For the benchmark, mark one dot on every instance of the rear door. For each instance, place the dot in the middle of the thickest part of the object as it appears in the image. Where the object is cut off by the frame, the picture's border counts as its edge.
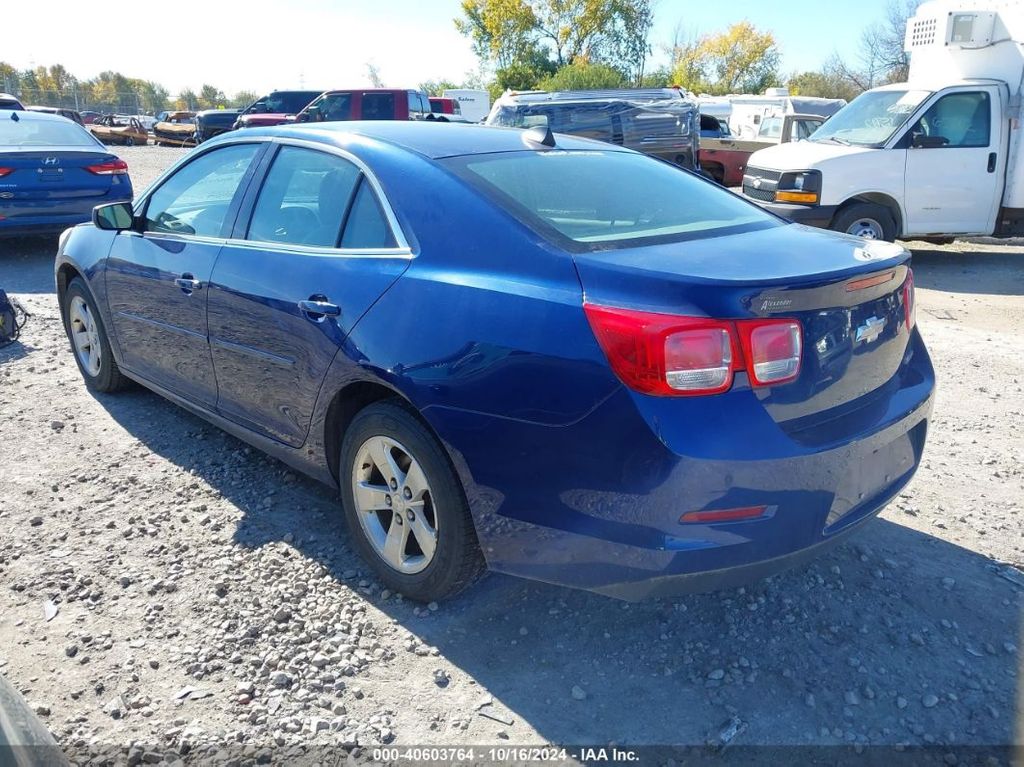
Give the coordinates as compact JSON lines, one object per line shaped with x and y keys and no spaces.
{"x":955,"y":186}
{"x":157,"y":277}
{"x":316,"y":251}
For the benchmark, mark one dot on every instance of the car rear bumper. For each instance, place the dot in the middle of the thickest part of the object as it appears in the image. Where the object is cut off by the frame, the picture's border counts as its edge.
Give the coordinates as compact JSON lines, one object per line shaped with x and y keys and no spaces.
{"x":51,"y":216}
{"x":597,"y":504}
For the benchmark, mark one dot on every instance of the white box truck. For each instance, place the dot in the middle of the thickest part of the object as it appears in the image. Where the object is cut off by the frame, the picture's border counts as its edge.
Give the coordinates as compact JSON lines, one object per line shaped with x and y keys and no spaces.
{"x":936,"y":157}
{"x":475,"y":104}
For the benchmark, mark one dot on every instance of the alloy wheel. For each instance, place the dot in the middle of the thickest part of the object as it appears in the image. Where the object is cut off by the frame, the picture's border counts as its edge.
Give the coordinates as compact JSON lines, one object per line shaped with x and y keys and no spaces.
{"x":394,"y":505}
{"x":85,"y":335}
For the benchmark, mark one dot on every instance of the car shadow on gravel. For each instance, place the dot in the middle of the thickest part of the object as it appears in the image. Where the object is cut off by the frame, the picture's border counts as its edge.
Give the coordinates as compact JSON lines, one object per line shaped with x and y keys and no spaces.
{"x":26,"y":264}
{"x":895,"y":637}
{"x":980,"y":271}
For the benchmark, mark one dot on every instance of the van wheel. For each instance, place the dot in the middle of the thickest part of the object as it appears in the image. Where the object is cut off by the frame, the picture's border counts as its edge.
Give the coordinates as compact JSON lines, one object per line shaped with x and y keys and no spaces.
{"x":867,"y":220}
{"x":404,"y":506}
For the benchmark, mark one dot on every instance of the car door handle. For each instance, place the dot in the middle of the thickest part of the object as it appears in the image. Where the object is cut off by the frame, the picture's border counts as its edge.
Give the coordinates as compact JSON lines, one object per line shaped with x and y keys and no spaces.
{"x":188,"y":283}
{"x":991,"y":162}
{"x":317,"y":309}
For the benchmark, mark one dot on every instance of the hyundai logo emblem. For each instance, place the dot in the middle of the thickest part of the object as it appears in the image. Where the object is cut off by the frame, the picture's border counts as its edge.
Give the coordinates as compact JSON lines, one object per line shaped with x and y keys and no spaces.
{"x":51,"y":162}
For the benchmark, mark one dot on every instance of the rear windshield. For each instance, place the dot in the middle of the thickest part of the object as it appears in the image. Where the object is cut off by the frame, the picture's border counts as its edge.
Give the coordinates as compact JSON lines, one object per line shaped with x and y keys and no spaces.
{"x":592,"y":200}
{"x":27,"y":132}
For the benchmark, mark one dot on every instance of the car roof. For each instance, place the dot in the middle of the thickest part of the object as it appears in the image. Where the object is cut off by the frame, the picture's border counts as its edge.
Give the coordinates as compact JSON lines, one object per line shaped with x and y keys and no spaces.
{"x":31,"y":116}
{"x":433,"y":139}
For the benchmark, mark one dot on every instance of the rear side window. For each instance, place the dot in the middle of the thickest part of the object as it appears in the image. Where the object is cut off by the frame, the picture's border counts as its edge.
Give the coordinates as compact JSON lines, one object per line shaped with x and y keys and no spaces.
{"x":378,"y":106}
{"x":195,"y":200}
{"x":304,"y":198}
{"x":366,"y":226}
{"x":588,"y":200}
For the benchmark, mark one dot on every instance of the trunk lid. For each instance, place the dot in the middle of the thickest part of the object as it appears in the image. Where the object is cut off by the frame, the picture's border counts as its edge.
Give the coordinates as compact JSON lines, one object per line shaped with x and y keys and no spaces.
{"x":846,"y":293}
{"x":52,"y":174}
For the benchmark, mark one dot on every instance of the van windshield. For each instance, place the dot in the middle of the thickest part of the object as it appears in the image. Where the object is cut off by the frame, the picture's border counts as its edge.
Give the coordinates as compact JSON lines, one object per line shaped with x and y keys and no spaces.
{"x":871,"y":119}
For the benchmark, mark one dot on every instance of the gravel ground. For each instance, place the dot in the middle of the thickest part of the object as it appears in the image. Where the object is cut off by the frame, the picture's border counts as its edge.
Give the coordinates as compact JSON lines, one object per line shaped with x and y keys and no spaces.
{"x":207,"y":603}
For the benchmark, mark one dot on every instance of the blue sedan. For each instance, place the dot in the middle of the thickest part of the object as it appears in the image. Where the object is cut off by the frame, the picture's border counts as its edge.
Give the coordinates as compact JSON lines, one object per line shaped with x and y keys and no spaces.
{"x":536,"y":354}
{"x":53,"y":172}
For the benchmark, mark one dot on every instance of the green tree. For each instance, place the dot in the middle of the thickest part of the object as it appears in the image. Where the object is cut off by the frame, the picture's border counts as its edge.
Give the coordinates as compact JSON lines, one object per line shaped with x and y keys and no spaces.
{"x":502,"y":31}
{"x":522,"y":75}
{"x":581,"y":76}
{"x":824,"y":84}
{"x":740,"y":60}
{"x":187,"y":100}
{"x":242,"y":99}
{"x":211,"y":98}
{"x":512,"y":35}
{"x":437,"y":87}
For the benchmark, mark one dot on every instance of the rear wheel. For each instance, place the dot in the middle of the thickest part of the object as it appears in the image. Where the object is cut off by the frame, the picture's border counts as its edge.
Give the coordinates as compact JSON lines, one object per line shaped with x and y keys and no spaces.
{"x":404,"y":505}
{"x":867,"y":220}
{"x":89,"y":340}
{"x":129,"y":141}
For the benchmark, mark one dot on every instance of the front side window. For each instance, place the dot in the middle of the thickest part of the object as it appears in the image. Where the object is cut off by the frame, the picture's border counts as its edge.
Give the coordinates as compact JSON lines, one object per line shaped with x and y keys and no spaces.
{"x":333,"y":107}
{"x":589,"y":200}
{"x":304,"y":198}
{"x":378,"y":106}
{"x":195,"y":200}
{"x":804,"y":128}
{"x":957,"y":120}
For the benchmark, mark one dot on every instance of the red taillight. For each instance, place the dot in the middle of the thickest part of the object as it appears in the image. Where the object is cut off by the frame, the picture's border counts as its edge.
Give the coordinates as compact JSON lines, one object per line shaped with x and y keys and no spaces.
{"x":111,"y":168}
{"x":5,"y":171}
{"x":725,"y":515}
{"x":909,"y":307}
{"x":665,"y":354}
{"x":772,"y":349}
{"x":669,"y":355}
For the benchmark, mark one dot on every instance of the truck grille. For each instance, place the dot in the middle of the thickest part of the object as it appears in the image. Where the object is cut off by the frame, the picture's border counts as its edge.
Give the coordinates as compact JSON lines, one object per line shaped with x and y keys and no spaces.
{"x":760,"y":184}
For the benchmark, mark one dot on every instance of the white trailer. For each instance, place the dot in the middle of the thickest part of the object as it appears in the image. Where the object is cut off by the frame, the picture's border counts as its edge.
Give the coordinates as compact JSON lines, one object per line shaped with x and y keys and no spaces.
{"x":935,"y":157}
{"x":748,"y":111}
{"x":475,"y":105}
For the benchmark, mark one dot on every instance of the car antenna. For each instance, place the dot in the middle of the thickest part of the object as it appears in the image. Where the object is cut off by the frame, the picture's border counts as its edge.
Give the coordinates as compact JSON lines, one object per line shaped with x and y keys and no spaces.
{"x":540,"y":134}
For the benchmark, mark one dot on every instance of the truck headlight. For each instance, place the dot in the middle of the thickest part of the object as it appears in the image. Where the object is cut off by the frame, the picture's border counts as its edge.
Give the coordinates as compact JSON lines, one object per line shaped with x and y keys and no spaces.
{"x":802,"y":187}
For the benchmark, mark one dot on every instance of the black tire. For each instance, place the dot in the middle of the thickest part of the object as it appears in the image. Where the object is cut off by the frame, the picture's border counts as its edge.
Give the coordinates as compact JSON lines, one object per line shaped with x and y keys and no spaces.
{"x":129,"y":141}
{"x":110,"y":378}
{"x":848,"y":219}
{"x":457,"y":561}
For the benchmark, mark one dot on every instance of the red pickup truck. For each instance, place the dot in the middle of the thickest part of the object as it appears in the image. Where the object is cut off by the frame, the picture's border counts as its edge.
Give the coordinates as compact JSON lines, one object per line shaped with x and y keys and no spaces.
{"x":367,"y":104}
{"x":275,"y":108}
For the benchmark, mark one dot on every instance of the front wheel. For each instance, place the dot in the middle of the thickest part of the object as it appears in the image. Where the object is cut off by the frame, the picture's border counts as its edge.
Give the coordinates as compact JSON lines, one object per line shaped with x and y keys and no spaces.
{"x":404,"y":505}
{"x":89,"y":340}
{"x":867,"y":220}
{"x":129,"y":141}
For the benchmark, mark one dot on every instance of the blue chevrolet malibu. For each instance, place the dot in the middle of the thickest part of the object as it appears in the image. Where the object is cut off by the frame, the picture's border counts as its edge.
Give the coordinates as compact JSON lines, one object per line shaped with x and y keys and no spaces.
{"x":53,"y":172}
{"x":537,"y":354}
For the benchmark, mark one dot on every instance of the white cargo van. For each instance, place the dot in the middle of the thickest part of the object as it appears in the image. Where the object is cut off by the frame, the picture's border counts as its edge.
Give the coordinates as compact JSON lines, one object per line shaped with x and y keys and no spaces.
{"x":935,"y":157}
{"x":475,"y":105}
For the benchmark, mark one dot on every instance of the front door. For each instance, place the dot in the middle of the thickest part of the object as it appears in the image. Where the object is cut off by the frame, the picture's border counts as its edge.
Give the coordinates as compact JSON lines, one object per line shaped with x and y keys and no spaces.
{"x":157,"y":276}
{"x":955,"y":164}
{"x":317,"y":251}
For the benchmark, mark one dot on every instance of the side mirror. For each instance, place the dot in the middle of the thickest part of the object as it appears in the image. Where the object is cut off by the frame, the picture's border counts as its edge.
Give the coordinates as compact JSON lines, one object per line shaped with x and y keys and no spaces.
{"x":115,"y":217}
{"x":921,"y":141}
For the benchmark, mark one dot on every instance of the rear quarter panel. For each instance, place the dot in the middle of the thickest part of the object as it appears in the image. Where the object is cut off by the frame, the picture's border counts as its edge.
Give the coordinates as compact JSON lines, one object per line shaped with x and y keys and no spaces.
{"x":487,"y":319}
